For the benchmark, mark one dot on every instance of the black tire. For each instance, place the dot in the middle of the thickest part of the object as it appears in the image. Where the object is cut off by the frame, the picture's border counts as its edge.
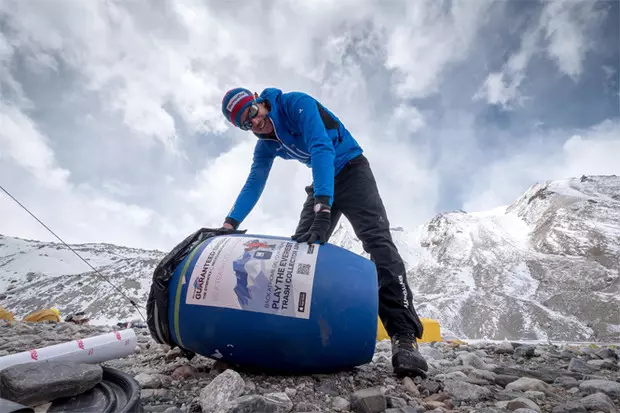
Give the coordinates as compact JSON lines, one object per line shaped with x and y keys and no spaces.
{"x":118,"y":392}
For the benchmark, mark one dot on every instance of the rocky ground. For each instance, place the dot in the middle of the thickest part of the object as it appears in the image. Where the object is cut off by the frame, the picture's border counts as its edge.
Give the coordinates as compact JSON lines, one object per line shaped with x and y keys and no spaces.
{"x":485,"y":377}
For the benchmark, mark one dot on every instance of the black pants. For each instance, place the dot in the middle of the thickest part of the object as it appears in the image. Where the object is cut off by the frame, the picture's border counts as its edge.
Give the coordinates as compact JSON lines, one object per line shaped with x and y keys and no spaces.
{"x":357,"y":198}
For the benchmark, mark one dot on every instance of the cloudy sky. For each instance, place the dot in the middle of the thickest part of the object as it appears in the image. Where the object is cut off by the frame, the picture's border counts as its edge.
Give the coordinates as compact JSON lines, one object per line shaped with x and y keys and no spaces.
{"x":111,"y":129}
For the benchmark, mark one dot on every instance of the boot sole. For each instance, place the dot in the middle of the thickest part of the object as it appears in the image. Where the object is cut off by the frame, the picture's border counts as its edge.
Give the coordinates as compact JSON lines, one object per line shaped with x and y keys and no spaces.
{"x":410,"y":371}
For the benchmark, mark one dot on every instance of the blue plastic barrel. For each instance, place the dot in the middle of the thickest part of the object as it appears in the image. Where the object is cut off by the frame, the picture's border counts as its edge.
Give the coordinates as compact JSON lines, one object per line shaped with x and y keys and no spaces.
{"x":274,"y":304}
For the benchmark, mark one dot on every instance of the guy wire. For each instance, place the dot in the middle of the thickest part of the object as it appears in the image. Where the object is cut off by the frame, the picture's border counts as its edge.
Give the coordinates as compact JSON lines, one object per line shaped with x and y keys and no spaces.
{"x":79,"y":256}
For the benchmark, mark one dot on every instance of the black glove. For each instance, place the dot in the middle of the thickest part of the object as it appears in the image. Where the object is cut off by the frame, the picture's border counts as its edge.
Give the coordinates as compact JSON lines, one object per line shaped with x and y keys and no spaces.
{"x":305,"y":221}
{"x":235,"y":225}
{"x":299,"y":232}
{"x":306,"y":217}
{"x":319,"y":228}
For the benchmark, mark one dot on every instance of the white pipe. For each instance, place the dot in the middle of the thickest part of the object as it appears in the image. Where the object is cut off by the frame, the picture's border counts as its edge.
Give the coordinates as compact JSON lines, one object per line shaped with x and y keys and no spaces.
{"x":104,"y":347}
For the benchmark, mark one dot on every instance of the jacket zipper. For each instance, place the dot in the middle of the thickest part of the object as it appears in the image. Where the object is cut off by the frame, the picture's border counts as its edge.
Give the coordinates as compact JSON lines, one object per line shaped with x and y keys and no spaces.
{"x":303,"y":156}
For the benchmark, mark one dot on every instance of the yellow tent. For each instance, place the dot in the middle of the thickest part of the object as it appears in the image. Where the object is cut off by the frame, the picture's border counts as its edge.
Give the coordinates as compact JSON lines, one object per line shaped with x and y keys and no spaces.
{"x":431,"y":331}
{"x":6,"y":315}
{"x":48,"y":314}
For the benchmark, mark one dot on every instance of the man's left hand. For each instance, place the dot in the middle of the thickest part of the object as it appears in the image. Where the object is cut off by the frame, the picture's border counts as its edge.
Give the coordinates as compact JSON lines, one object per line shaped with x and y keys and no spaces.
{"x":319,"y":228}
{"x":227,"y":228}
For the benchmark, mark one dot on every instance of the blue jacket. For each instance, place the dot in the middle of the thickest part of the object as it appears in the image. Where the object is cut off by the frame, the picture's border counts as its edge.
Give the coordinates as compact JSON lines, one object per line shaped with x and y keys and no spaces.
{"x":305,"y":131}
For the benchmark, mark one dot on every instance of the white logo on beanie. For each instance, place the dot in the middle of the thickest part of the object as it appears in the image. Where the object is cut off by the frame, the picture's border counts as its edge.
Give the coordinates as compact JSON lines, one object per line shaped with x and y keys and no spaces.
{"x":235,"y":99}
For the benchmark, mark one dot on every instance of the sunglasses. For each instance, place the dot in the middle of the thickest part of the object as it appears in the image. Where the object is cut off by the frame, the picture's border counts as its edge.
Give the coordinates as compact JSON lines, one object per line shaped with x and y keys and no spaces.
{"x":252,"y":112}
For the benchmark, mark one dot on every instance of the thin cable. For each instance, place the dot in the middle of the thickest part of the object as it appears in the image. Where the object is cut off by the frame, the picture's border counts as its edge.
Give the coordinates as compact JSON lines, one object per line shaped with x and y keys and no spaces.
{"x":79,"y":256}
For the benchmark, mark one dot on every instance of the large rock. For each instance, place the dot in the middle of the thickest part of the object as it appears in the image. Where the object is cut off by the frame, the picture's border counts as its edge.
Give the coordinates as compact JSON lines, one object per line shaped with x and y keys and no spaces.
{"x":462,"y":391}
{"x":40,"y":382}
{"x":599,"y":402}
{"x":522,"y":403}
{"x":548,"y":375}
{"x":370,"y":400}
{"x":527,"y":383}
{"x":226,"y":387}
{"x":268,"y":403}
{"x":610,"y":388}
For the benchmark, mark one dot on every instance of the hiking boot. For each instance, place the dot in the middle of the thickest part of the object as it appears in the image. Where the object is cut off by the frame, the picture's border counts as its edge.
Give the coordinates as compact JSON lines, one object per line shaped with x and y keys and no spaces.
{"x":406,"y":359}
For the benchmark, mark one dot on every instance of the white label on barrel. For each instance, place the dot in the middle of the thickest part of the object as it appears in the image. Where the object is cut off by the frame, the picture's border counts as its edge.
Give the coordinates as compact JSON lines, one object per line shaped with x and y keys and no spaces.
{"x":255,"y":274}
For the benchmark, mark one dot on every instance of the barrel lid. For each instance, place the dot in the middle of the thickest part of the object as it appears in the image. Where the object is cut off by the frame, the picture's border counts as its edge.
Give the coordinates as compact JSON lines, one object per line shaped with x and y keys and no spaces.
{"x":117,"y":392}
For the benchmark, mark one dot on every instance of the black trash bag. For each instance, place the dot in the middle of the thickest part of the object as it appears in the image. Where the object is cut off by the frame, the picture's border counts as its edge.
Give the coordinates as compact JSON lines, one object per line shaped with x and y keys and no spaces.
{"x":157,"y":304}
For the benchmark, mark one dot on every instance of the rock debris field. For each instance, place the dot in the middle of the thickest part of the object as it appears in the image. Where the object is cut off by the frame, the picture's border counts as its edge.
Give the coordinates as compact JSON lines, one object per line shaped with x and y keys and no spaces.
{"x":483,"y":377}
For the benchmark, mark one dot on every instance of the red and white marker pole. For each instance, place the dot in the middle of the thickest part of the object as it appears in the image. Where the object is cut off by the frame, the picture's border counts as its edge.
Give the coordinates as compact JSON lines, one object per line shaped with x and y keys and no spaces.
{"x":104,"y":347}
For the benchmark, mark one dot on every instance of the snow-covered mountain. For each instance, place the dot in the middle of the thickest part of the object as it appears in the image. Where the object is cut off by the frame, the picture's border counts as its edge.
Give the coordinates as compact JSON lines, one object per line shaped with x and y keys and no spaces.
{"x":545,"y":267}
{"x":36,"y":275}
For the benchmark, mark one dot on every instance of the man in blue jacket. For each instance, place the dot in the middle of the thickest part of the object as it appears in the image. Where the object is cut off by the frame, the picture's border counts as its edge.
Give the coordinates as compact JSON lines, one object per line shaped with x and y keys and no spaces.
{"x":296,"y":126}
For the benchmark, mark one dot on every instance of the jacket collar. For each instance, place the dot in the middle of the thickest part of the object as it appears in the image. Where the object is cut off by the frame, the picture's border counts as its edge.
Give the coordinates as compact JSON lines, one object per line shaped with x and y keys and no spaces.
{"x":273,"y":117}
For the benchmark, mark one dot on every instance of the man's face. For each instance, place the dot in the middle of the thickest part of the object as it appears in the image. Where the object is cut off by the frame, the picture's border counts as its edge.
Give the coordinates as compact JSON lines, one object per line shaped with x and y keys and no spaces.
{"x":254,"y":118}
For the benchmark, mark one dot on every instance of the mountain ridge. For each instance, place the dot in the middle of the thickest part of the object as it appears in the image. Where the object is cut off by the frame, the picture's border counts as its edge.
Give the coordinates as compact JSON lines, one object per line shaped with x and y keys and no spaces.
{"x":506,"y":272}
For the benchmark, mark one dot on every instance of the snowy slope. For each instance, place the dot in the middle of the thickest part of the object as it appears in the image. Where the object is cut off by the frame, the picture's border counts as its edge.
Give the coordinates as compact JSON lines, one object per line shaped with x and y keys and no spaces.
{"x":36,"y":275}
{"x":545,"y":267}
